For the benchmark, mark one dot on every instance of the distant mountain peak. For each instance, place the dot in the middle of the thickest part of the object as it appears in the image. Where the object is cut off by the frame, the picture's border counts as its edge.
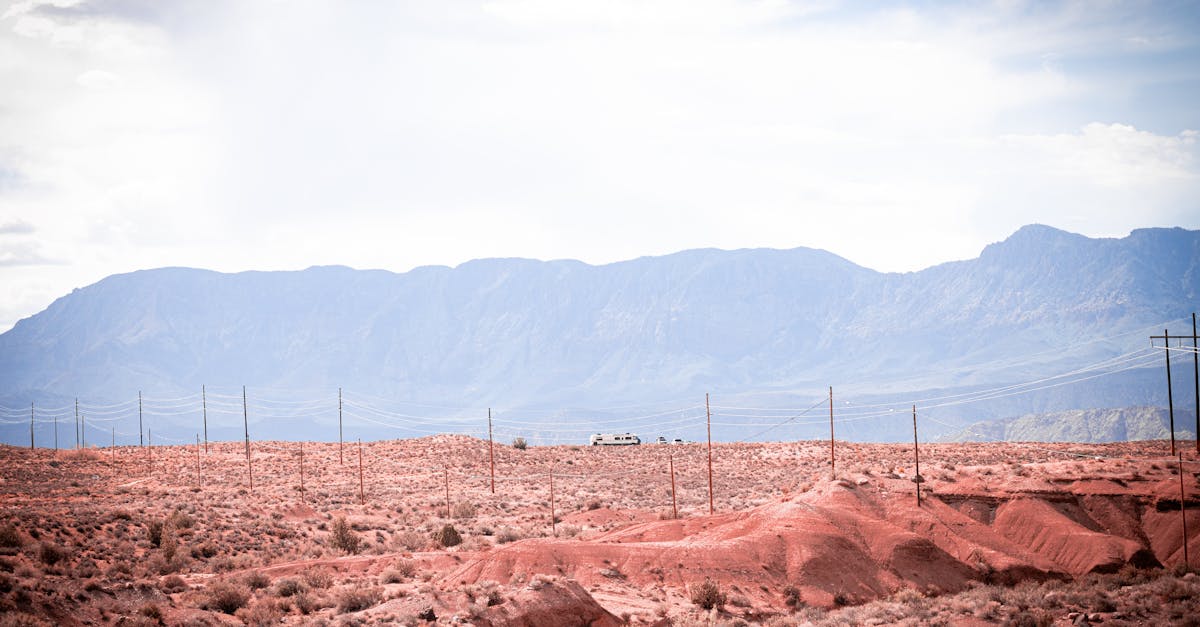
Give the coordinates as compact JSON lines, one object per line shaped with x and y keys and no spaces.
{"x":528,"y":333}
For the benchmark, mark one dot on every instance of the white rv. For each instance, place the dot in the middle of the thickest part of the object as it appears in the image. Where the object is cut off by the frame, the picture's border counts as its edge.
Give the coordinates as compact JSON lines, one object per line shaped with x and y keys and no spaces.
{"x":614,"y":439}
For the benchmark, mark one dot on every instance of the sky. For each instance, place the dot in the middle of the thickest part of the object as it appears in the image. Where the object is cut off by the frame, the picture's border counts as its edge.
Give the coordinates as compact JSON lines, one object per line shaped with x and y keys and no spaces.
{"x":242,"y":135}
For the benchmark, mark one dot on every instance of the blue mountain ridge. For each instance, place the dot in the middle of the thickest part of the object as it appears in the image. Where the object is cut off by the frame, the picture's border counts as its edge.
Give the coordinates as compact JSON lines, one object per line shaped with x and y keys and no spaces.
{"x":553,"y":341}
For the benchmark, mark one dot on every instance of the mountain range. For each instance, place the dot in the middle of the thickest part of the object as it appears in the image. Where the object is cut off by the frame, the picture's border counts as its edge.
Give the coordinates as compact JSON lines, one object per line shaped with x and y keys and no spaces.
{"x":555,"y":341}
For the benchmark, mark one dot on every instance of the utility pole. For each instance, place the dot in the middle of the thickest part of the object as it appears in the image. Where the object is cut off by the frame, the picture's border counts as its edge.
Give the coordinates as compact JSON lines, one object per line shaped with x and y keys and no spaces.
{"x":204,"y":408}
{"x":246,"y":426}
{"x":832,"y":458}
{"x":31,"y":426}
{"x":446,"y":480}
{"x":916,"y":457}
{"x":553,"y":523}
{"x":362,"y":494}
{"x":1170,"y":400}
{"x":1183,"y":515}
{"x":708,"y":420}
{"x":1166,"y":337}
{"x":674,"y":506}
{"x":341,"y":460}
{"x":76,"y":422}
{"x":1196,"y":378}
{"x":140,"y":441}
{"x":491,"y":451}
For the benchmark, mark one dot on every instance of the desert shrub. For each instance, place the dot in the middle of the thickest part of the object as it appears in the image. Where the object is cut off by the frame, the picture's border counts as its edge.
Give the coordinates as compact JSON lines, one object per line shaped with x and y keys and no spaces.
{"x":51,"y":553}
{"x":506,"y":535}
{"x":358,"y":599}
{"x":707,"y":595}
{"x":463,"y":509}
{"x":288,"y":587}
{"x":306,"y":604}
{"x":594,"y":504}
{"x":154,"y":532}
{"x":1172,"y":589}
{"x":318,"y":578}
{"x":168,"y":542}
{"x":9,"y":537}
{"x":226,"y":597}
{"x":257,"y":580}
{"x":520,"y":444}
{"x":15,"y":619}
{"x":205,"y":550}
{"x":406,"y":568}
{"x":410,"y":540}
{"x":342,"y":538}
{"x":260,"y":614}
{"x":151,"y":610}
{"x":391,"y":575}
{"x":448,"y":536}
{"x":172,"y":583}
{"x":1029,"y":619}
{"x":180,"y":520}
{"x":792,"y":598}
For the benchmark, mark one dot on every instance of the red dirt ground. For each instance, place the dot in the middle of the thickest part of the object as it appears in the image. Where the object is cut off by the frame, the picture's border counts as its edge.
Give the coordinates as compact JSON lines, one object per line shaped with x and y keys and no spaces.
{"x":786,"y":539}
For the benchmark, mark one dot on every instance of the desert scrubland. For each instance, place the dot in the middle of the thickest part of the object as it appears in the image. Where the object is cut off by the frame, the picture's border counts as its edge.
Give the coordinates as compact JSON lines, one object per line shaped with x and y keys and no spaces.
{"x":1006,"y":533}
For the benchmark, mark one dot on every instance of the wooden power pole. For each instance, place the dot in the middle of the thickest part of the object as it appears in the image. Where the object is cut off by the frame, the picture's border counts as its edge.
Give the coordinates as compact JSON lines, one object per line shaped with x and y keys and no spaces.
{"x":341,"y":459}
{"x":916,"y":457}
{"x":491,"y":451}
{"x":204,"y":409}
{"x":708,"y":420}
{"x":832,"y":457}
{"x":246,"y":427}
{"x":1196,"y":378}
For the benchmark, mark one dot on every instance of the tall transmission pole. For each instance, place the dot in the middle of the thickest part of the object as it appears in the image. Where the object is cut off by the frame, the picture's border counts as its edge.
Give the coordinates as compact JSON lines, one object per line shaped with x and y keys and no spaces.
{"x":1196,"y":378}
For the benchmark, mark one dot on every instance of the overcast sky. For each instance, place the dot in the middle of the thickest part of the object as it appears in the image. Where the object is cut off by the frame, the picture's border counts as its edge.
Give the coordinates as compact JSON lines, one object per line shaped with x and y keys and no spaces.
{"x":278,"y":135}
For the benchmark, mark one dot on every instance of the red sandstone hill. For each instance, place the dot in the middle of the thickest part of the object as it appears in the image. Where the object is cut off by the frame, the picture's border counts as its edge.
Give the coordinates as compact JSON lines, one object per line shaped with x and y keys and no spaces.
{"x":137,"y":534}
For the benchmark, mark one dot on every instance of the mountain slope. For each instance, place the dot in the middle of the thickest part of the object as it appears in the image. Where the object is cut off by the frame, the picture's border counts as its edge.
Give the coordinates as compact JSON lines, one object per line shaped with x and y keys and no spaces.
{"x":771,"y":327}
{"x":1083,"y":425}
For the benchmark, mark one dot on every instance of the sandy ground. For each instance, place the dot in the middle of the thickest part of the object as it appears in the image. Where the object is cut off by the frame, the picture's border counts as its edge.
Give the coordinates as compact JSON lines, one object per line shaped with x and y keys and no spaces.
{"x":177,"y":535}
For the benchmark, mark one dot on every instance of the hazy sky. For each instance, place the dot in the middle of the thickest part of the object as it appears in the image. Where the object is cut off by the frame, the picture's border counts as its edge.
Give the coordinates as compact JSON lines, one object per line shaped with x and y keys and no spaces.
{"x":278,"y":135}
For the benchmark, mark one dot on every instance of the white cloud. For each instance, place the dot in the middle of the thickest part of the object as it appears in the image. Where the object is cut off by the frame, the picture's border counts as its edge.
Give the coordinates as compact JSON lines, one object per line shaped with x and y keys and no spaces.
{"x":1117,"y":155}
{"x":246,"y":135}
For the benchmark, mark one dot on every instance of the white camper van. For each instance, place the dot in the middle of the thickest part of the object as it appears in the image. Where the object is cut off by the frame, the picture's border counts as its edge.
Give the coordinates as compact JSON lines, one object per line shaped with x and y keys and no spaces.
{"x":614,"y":439}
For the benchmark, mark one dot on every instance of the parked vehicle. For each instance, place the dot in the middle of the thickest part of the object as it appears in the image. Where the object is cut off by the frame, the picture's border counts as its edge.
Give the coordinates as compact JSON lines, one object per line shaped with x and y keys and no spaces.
{"x":615,"y":439}
{"x":660,"y":440}
{"x":678,"y":441}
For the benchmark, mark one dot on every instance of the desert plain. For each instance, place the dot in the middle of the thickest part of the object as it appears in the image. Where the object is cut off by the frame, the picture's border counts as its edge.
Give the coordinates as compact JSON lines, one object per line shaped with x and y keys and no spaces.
{"x":424,"y":531}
